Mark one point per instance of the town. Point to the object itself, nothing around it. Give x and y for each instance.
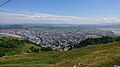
(58, 38)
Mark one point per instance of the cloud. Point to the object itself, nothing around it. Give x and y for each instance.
(27, 17)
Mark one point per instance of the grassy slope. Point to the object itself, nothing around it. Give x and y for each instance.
(91, 56)
(21, 49)
(16, 51)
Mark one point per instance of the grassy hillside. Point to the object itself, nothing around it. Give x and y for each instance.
(14, 46)
(103, 55)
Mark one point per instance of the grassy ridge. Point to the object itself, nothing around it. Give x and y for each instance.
(14, 46)
(104, 55)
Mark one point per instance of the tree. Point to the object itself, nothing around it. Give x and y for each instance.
(92, 41)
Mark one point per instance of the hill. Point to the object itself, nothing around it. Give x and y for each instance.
(102, 55)
(15, 46)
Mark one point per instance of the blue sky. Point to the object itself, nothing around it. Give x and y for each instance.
(105, 10)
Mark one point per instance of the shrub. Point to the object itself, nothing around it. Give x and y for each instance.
(2, 53)
(46, 49)
(33, 49)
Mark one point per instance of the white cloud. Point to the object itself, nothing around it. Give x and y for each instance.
(27, 17)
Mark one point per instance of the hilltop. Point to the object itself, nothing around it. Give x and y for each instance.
(101, 55)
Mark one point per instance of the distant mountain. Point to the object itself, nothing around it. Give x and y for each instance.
(106, 25)
(43, 25)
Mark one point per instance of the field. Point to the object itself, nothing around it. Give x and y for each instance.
(103, 55)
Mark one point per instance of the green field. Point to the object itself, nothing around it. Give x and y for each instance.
(103, 55)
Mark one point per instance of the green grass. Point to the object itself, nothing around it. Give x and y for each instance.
(104, 55)
(21, 49)
(16, 51)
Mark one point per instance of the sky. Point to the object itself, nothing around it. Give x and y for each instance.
(60, 11)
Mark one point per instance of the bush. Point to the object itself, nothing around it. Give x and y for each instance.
(2, 53)
(46, 49)
(33, 49)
